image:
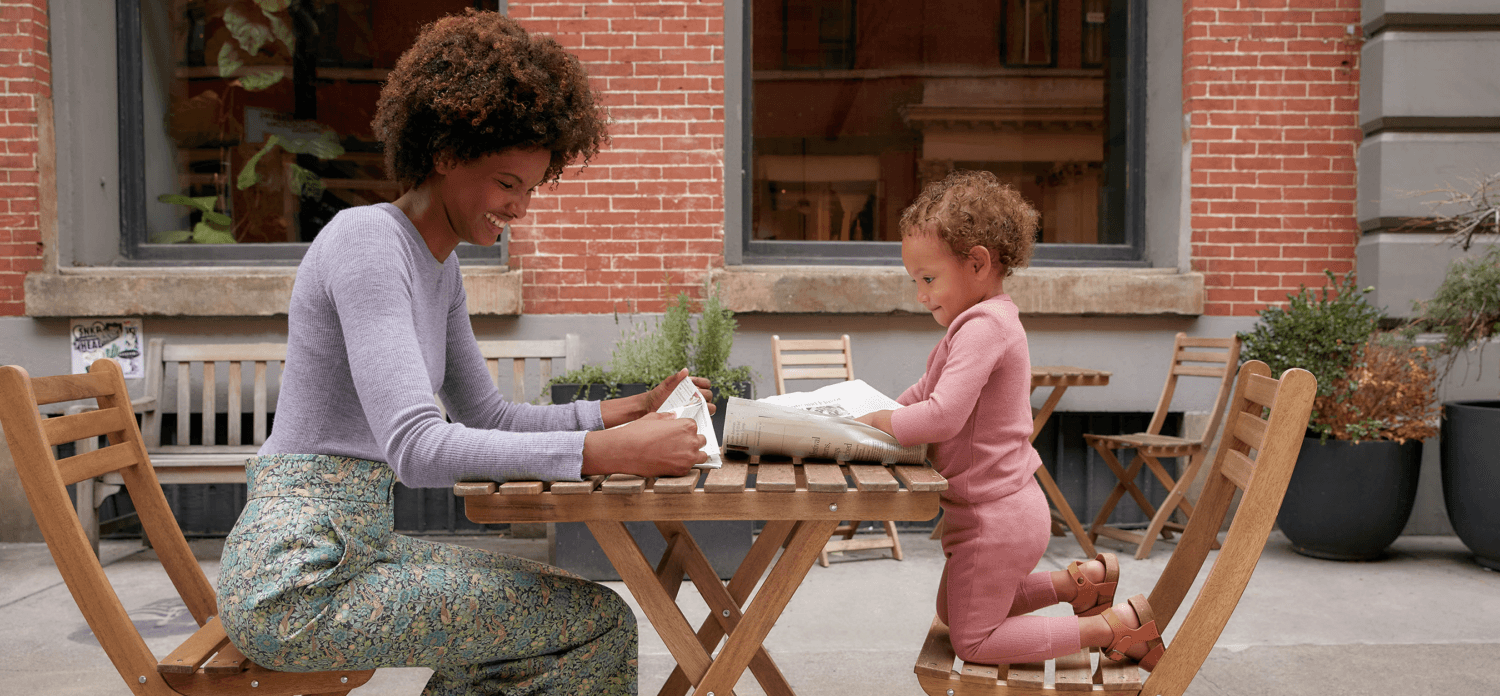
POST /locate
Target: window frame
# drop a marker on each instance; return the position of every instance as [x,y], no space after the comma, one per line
[741,249]
[134,247]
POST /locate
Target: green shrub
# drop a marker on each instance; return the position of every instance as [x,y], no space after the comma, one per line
[1322,332]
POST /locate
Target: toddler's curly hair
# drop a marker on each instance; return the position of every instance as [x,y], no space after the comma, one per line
[972,208]
[476,84]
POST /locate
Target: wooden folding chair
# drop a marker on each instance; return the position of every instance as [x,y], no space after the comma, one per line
[1213,358]
[1256,456]
[205,663]
[827,358]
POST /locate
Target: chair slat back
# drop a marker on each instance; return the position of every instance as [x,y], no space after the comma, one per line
[1263,476]
[513,356]
[815,358]
[198,365]
[1214,358]
[45,478]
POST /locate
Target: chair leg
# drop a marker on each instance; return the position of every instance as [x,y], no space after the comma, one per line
[1126,484]
[890,531]
[88,512]
[1175,498]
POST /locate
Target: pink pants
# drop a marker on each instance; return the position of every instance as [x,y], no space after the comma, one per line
[988,586]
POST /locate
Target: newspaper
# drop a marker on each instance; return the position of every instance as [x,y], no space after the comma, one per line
[819,424]
[687,402]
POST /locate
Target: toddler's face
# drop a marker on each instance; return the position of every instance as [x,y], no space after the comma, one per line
[946,284]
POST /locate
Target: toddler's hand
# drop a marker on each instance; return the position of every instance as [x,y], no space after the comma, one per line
[878,419]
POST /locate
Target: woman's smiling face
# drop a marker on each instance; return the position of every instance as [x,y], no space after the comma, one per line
[481,196]
[946,284]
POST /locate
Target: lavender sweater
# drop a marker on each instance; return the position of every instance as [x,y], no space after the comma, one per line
[376,327]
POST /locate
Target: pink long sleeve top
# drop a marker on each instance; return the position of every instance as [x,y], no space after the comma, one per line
[974,404]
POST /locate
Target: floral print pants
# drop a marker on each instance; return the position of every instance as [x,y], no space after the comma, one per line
[313,578]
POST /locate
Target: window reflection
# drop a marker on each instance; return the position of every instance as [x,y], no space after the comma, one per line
[848,125]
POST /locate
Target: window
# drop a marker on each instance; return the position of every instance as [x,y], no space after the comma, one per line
[254,124]
[846,108]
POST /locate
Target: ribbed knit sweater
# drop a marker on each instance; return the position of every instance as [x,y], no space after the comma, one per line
[377,326]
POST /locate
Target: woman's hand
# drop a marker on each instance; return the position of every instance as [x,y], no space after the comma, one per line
[656,444]
[879,419]
[626,409]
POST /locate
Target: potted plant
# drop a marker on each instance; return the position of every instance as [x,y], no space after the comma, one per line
[645,355]
[1466,313]
[1356,476]
[648,353]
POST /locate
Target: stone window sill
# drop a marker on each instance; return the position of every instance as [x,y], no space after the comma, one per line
[1036,291]
[216,292]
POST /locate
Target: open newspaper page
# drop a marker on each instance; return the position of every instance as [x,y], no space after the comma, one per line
[819,424]
[687,402]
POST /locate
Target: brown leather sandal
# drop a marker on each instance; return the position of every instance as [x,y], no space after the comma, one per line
[1126,638]
[1094,597]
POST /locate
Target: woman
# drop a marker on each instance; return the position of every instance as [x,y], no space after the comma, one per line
[475,116]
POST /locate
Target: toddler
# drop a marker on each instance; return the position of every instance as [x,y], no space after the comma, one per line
[959,241]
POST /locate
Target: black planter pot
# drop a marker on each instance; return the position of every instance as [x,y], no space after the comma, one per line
[1348,501]
[1471,476]
[724,542]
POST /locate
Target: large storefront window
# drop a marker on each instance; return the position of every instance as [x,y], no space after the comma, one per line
[252,120]
[853,105]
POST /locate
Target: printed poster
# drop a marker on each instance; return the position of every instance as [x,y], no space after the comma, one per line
[120,339]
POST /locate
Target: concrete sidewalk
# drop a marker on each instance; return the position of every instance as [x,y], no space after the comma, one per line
[1426,620]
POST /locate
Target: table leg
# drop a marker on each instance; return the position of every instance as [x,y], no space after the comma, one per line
[782,582]
[660,608]
[725,610]
[1048,485]
[1055,495]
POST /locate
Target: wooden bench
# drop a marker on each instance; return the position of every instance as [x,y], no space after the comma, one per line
[248,375]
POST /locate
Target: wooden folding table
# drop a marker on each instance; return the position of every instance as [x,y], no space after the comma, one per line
[1059,378]
[801,504]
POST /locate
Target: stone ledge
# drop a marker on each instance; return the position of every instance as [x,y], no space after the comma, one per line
[1036,291]
[217,292]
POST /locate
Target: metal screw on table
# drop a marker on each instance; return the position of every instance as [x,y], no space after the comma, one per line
[142,679]
[254,684]
[950,692]
[833,507]
[343,680]
[726,613]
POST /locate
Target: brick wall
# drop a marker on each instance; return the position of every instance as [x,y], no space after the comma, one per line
[25,94]
[1271,92]
[652,204]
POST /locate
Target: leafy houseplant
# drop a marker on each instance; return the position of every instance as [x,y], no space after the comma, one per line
[1466,312]
[1356,477]
[255,29]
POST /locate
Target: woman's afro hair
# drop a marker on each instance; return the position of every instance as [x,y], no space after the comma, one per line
[476,84]
[973,208]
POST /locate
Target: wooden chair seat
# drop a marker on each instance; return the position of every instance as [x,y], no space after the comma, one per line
[205,663]
[1085,670]
[1156,445]
[1256,457]
[1213,358]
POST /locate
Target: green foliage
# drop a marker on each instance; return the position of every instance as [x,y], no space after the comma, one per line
[251,33]
[1466,308]
[214,228]
[304,182]
[648,353]
[1323,333]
